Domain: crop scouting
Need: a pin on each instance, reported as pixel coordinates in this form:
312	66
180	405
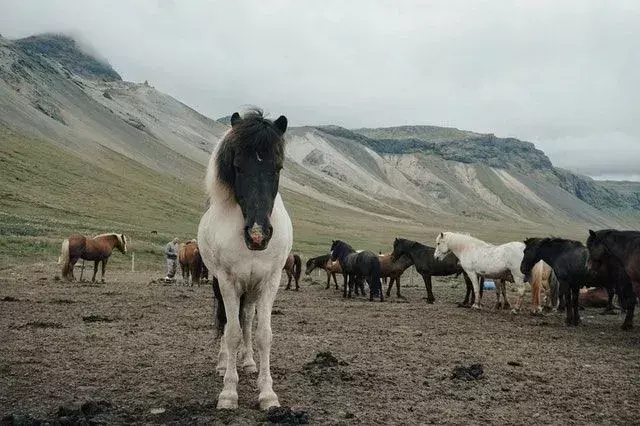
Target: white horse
479	257
245	237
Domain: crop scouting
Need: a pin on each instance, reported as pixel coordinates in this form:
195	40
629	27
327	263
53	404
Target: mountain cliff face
409	177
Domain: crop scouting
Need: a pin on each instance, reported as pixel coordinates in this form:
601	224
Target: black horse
617	253
568	259
358	266
428	266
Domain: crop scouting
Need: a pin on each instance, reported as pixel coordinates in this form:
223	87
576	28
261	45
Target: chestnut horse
293	268
98	249
191	263
393	270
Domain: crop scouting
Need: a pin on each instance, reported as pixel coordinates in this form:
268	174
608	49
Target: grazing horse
191	263
358	266
325	263
293	268
427	265
98	249
568	260
393	269
245	237
620	252
479	257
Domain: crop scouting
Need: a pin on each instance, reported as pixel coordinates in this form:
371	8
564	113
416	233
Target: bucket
489	285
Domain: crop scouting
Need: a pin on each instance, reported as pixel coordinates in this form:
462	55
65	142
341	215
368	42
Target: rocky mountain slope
418	178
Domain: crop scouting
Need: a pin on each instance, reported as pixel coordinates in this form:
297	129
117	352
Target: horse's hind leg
289	276
398	287
228	398
248	364
267	397
389	287
610	309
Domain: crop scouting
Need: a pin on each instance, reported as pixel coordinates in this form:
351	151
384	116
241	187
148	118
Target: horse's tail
297	267
219	312
64	257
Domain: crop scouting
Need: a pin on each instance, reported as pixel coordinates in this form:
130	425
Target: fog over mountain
560	74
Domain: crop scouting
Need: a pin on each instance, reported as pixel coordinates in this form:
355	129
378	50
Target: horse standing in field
325	263
619	251
245	237
293	268
191	264
358	266
393	269
427	265
481	258
568	259
98	249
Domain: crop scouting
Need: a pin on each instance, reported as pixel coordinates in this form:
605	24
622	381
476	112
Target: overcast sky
562	74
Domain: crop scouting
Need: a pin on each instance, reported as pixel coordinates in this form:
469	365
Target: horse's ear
591	233
281	124
442	235
235	119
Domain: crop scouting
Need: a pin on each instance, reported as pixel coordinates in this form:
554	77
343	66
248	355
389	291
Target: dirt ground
134	350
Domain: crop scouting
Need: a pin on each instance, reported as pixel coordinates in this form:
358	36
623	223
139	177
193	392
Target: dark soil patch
42	324
63	301
474	372
277	312
285	415
10	299
97	318
323	360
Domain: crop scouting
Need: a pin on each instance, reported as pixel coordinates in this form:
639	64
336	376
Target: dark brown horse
191	264
293	268
98	249
393	270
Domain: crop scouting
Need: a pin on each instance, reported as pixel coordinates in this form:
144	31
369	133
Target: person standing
171	256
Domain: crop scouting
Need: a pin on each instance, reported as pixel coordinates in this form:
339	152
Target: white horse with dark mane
245	237
481	258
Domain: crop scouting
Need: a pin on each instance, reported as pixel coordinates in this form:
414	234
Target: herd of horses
245	239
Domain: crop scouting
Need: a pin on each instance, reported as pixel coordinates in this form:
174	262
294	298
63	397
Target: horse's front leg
575	298
610	309
289	276
267	397
104	267
95	270
398	287
335	281
428	285
248	364
329	281
232	337
390	287
476	289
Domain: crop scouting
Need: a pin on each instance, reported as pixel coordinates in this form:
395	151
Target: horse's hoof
268	400
228	400
536	314
430	301
515	311
221	371
626	326
250	368
476	307
506	306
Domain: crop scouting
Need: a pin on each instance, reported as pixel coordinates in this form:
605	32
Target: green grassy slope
47	192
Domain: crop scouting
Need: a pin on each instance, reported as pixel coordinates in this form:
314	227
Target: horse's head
249	163
596	248
340	249
442	248
311	265
530	255
122	243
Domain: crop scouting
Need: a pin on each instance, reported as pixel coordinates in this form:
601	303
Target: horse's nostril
270	230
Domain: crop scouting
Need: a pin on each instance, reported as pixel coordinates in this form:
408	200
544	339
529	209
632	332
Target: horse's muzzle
256	237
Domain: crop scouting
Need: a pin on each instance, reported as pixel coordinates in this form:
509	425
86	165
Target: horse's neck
459	243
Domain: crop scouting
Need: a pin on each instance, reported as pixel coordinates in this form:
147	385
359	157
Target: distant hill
100	143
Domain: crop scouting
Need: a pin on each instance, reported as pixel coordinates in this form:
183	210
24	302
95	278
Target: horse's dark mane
551	241
251	134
